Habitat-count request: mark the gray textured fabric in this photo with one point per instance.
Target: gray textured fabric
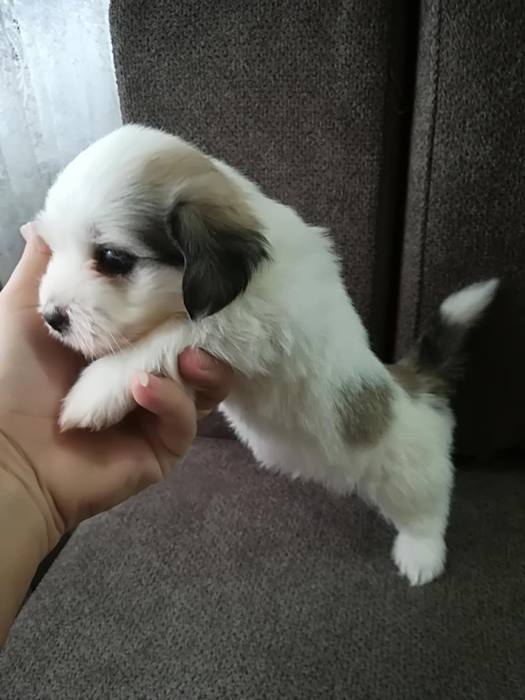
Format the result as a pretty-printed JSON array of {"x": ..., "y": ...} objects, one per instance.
[
  {"x": 215, "y": 425},
  {"x": 465, "y": 216},
  {"x": 230, "y": 582},
  {"x": 305, "y": 96}
]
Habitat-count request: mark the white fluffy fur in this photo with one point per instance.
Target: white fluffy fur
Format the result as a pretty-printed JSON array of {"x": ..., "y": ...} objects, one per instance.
[{"x": 294, "y": 338}]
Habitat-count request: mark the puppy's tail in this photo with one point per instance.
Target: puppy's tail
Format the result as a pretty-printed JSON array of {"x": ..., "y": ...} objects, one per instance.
[{"x": 439, "y": 354}]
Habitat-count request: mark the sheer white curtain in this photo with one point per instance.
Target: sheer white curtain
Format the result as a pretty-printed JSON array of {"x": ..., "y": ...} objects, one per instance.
[{"x": 57, "y": 94}]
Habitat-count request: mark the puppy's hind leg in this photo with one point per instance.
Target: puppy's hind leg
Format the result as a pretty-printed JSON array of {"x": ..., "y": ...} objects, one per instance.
[
  {"x": 419, "y": 512},
  {"x": 420, "y": 552}
]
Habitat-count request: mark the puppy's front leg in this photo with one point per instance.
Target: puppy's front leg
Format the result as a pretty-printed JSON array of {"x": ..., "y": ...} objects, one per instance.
[{"x": 102, "y": 394}]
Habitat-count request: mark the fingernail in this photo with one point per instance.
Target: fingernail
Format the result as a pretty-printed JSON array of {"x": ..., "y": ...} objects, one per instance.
[
  {"x": 206, "y": 362},
  {"x": 143, "y": 378},
  {"x": 27, "y": 231}
]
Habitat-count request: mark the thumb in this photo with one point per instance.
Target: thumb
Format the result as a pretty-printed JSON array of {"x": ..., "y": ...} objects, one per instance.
[
  {"x": 175, "y": 421},
  {"x": 26, "y": 276}
]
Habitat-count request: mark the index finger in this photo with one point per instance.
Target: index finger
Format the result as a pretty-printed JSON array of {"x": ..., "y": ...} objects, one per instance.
[
  {"x": 211, "y": 378},
  {"x": 174, "y": 426},
  {"x": 26, "y": 276}
]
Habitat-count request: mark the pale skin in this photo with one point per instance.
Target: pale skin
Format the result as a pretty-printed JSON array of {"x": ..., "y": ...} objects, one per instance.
[{"x": 50, "y": 482}]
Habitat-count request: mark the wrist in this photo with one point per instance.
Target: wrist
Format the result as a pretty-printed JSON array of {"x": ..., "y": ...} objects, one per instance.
[
  {"x": 24, "y": 509},
  {"x": 25, "y": 537}
]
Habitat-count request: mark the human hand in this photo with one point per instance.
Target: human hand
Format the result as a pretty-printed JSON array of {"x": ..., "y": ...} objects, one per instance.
[{"x": 66, "y": 477}]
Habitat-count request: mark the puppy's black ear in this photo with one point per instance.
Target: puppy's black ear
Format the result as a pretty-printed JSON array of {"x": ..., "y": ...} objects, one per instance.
[{"x": 222, "y": 248}]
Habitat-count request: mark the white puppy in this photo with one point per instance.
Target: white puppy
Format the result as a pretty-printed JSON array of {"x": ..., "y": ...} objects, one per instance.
[{"x": 157, "y": 247}]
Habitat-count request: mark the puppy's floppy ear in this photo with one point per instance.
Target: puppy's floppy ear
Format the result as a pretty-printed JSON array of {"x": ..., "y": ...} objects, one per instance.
[{"x": 222, "y": 249}]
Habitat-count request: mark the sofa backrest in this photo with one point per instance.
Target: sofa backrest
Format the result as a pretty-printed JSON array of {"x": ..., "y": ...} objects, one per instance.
[
  {"x": 307, "y": 97},
  {"x": 465, "y": 213}
]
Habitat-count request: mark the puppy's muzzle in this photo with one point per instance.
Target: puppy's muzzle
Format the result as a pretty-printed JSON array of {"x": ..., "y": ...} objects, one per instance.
[{"x": 57, "y": 319}]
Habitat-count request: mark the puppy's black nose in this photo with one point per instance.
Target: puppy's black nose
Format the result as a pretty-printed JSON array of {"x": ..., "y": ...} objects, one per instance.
[{"x": 57, "y": 319}]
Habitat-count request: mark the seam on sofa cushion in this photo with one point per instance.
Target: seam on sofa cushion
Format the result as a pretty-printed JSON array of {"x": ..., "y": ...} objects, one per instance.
[
  {"x": 399, "y": 88},
  {"x": 419, "y": 176},
  {"x": 435, "y": 67}
]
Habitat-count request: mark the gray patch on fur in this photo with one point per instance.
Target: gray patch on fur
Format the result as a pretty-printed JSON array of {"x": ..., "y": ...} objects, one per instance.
[
  {"x": 433, "y": 389},
  {"x": 366, "y": 412},
  {"x": 415, "y": 382}
]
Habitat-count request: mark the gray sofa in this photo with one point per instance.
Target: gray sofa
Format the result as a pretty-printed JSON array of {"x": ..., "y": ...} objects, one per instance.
[{"x": 401, "y": 126}]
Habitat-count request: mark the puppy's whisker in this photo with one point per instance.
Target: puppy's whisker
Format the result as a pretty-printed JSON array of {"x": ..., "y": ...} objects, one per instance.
[
  {"x": 114, "y": 344},
  {"x": 123, "y": 343}
]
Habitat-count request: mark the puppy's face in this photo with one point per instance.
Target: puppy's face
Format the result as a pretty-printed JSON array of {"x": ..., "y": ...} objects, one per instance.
[{"x": 143, "y": 228}]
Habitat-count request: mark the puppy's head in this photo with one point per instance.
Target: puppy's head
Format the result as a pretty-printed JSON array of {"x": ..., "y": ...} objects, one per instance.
[{"x": 143, "y": 227}]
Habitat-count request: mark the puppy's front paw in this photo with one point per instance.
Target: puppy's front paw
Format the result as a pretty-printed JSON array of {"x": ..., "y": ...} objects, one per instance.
[
  {"x": 420, "y": 559},
  {"x": 99, "y": 398}
]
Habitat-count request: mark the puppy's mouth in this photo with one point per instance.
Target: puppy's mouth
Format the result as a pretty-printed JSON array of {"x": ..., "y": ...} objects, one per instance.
[{"x": 82, "y": 332}]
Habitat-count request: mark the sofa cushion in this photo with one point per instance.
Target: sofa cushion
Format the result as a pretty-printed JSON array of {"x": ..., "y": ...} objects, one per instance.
[{"x": 227, "y": 581}]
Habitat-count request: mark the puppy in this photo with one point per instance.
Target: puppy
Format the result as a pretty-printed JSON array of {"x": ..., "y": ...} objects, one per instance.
[{"x": 156, "y": 247}]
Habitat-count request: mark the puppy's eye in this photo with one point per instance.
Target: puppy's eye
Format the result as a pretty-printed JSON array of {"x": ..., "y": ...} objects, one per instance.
[{"x": 113, "y": 261}]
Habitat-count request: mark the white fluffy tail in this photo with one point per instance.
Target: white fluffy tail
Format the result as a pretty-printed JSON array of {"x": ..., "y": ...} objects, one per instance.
[
  {"x": 439, "y": 353},
  {"x": 465, "y": 307}
]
